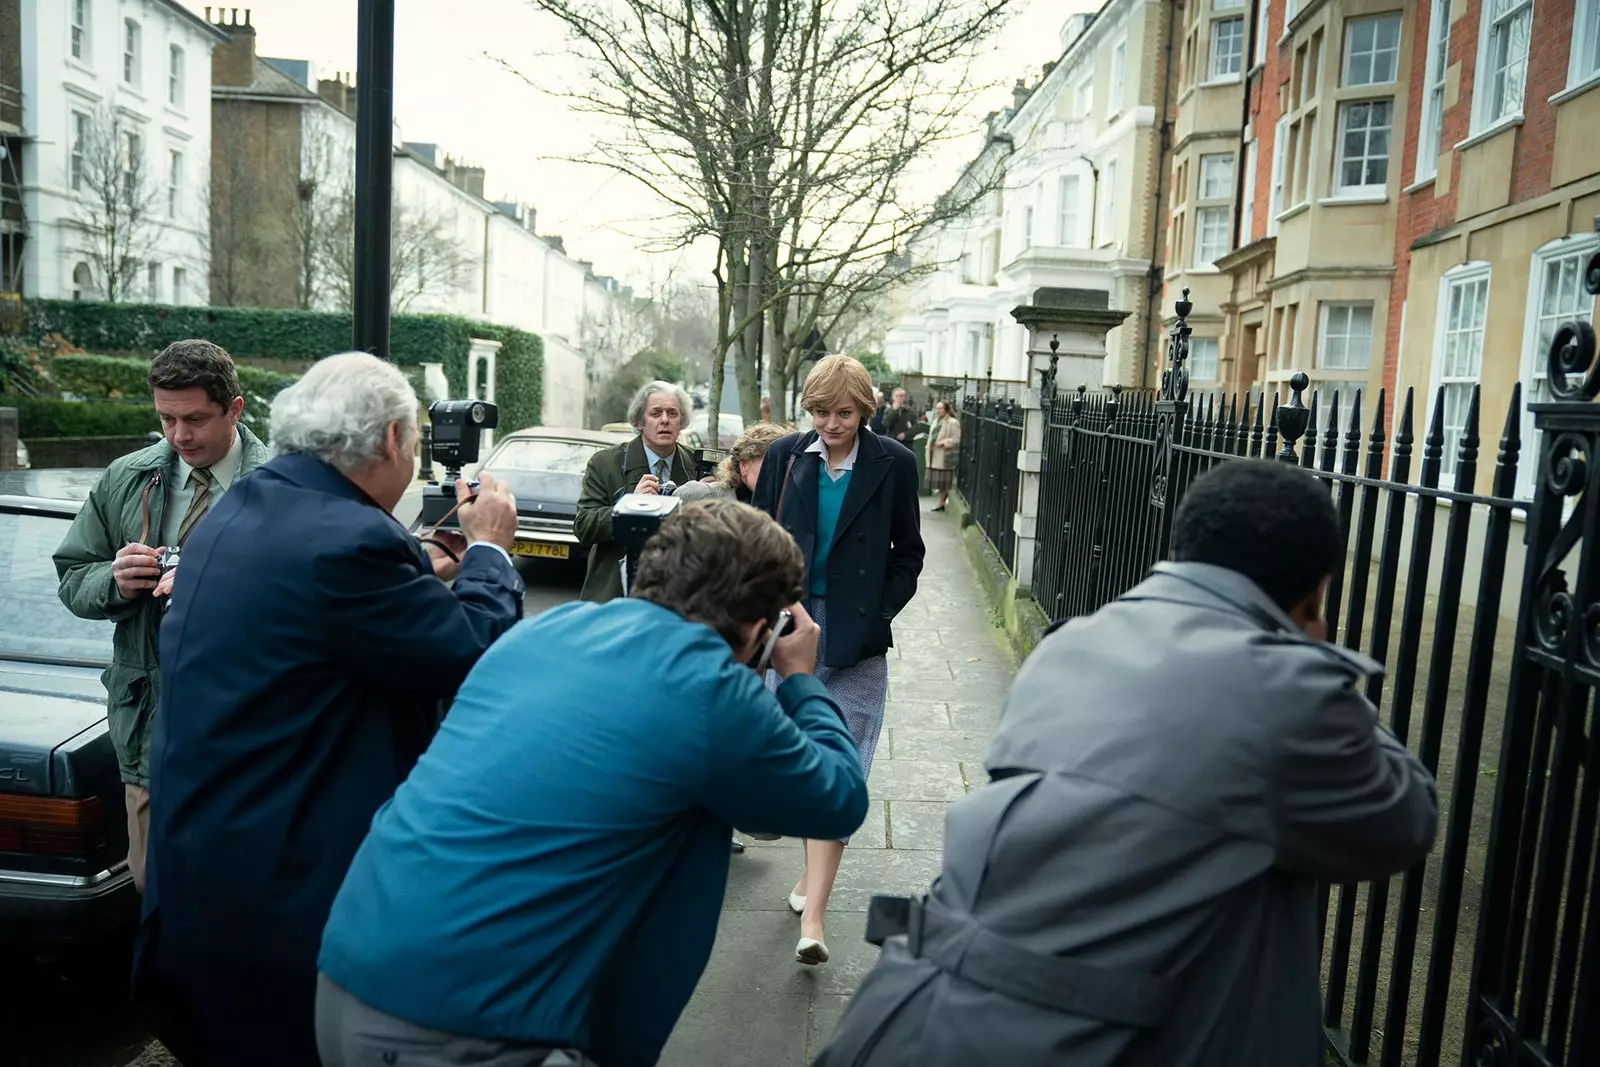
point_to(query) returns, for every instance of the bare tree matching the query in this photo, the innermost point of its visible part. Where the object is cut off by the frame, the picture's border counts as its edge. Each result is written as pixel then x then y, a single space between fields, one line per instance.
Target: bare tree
pixel 117 210
pixel 424 260
pixel 326 178
pixel 785 131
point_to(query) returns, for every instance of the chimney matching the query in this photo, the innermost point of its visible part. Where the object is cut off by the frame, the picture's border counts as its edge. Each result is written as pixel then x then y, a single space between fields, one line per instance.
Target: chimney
pixel 468 179
pixel 1019 94
pixel 233 63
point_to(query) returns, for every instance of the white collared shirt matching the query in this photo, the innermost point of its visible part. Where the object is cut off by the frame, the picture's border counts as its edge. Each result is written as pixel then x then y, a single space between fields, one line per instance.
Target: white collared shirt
pixel 820 447
pixel 180 492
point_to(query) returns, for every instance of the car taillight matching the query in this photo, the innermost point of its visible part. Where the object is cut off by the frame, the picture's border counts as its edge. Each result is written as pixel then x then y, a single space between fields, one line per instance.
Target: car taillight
pixel 59 827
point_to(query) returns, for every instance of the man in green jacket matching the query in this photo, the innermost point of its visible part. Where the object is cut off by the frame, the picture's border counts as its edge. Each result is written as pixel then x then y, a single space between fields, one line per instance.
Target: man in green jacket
pixel 658 412
pixel 143 503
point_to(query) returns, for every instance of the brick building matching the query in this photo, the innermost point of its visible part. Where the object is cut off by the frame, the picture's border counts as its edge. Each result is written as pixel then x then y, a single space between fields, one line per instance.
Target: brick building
pixel 1310 283
pixel 1501 166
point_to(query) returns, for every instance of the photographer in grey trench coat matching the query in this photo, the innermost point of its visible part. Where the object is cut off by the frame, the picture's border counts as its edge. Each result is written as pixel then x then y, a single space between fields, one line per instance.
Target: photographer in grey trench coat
pixel 1173 775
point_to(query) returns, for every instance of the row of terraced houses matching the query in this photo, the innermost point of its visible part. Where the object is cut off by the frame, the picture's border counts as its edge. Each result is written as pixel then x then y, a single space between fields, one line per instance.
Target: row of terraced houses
pixel 1378 193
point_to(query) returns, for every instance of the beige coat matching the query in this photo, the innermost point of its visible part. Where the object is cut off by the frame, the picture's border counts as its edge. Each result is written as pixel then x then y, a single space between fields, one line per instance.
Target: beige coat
pixel 943 444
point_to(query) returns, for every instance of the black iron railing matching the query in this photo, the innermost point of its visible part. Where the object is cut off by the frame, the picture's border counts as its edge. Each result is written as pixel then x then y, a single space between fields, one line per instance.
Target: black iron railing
pixel 1427 578
pixel 986 470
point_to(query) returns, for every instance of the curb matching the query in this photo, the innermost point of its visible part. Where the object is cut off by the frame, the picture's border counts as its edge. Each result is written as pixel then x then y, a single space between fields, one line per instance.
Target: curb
pixel 1020 618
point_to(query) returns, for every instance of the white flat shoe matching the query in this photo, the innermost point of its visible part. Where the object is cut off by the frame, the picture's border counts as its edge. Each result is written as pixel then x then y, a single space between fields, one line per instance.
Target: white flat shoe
pixel 797 903
pixel 810 952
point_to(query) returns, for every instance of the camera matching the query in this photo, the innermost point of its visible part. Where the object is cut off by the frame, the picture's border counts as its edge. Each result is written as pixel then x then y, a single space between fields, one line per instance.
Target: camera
pixel 167 561
pixel 456 438
pixel 634 520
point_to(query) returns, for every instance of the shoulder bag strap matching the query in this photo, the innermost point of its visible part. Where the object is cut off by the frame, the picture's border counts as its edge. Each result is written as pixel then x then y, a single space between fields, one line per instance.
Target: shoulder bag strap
pixel 783 488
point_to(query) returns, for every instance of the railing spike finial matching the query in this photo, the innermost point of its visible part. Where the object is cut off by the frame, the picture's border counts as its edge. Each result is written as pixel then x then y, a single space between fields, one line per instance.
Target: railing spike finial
pixel 1047 378
pixel 1291 418
pixel 1175 379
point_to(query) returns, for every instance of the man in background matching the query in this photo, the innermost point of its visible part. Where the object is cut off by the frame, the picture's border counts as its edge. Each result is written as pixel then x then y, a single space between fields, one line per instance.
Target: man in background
pixel 1172 777
pixel 143 503
pixel 899 421
pixel 878 409
pixel 658 411
pixel 309 648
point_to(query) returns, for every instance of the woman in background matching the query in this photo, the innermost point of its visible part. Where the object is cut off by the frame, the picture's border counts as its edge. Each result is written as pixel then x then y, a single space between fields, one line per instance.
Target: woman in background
pixel 944 443
pixel 849 498
pixel 736 475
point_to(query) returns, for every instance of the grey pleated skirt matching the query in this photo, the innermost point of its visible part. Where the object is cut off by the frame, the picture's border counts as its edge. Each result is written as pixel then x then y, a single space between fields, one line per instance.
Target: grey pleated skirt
pixel 860 691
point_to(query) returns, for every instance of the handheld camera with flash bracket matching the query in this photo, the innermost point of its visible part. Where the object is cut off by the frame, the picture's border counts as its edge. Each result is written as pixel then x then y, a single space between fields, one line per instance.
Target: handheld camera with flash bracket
pixel 458 427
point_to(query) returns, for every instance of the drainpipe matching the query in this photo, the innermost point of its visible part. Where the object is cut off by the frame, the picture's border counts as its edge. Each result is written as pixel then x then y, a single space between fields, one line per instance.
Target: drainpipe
pixel 1094 198
pixel 1242 239
pixel 1164 140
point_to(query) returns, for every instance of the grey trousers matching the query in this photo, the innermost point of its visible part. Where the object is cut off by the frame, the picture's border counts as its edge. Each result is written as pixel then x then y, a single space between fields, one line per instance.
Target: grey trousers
pixel 353 1034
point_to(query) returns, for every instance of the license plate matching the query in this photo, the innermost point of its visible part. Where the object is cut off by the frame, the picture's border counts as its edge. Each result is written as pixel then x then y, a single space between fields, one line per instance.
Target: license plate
pixel 531 548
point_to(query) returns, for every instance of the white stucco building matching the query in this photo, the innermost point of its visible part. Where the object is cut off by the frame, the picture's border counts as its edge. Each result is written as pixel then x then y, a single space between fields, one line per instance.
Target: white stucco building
pixel 1071 166
pixel 137 74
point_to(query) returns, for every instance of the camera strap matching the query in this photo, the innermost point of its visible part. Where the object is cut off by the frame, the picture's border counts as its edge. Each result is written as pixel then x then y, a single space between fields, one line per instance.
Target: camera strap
pixel 783 487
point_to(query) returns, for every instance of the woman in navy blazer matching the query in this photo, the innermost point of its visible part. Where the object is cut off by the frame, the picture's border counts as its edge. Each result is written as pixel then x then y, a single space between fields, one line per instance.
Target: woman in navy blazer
pixel 849 498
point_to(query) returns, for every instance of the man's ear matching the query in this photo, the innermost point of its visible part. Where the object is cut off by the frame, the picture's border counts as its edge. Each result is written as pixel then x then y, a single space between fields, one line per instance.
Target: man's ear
pixel 236 408
pixel 1308 613
pixel 751 634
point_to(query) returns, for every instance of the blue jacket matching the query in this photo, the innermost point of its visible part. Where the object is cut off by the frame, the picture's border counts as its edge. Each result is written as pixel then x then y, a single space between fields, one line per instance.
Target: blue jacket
pixel 877 547
pixel 553 869
pixel 304 658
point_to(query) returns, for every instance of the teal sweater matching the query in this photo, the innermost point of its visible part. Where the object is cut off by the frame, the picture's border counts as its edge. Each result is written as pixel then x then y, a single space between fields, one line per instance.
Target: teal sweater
pixel 567 831
pixel 830 499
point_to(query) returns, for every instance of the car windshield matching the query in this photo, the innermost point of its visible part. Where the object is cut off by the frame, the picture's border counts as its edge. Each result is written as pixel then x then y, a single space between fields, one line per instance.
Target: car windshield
pixel 535 454
pixel 33 621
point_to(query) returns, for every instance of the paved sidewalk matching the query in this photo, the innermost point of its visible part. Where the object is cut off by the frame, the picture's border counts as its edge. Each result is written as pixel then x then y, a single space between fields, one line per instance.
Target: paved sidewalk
pixel 948 675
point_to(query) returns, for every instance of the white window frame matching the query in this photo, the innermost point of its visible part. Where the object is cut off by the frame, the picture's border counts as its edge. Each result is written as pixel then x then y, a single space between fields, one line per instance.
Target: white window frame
pixel 1207 254
pixel 1227 5
pixel 1213 363
pixel 1431 130
pixel 1324 333
pixel 1491 103
pixel 132 52
pixel 1068 194
pixel 174 182
pixel 80 24
pixel 1577 246
pixel 77 158
pixel 1280 149
pixel 1227 180
pixel 1084 97
pixel 177 87
pixel 1119 74
pixel 1468 274
pixel 1027 226
pixel 1583 68
pixel 180 284
pixel 1340 186
pixel 1372 57
pixel 1234 27
pixel 1247 206
pixel 1262 7
pixel 152 282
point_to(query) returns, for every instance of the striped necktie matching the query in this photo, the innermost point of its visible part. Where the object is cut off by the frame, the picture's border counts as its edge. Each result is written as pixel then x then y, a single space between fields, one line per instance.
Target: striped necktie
pixel 661 471
pixel 202 480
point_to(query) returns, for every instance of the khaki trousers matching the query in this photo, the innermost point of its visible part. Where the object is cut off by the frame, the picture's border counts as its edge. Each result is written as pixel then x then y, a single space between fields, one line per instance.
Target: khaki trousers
pixel 137 799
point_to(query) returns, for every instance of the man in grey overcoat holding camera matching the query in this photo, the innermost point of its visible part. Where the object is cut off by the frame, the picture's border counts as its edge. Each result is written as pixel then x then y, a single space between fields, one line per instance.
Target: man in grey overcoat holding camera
pixel 1172 778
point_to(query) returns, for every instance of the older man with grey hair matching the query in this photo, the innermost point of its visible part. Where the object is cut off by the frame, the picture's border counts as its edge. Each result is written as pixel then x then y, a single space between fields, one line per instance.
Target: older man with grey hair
pixel 645 464
pixel 310 647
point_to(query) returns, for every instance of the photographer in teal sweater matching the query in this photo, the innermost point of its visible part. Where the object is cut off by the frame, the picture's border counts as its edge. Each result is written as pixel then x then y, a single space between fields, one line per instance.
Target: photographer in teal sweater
pixel 545 886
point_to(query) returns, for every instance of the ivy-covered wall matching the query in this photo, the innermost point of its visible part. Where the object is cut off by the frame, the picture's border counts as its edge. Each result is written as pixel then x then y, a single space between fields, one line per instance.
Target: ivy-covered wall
pixel 301 335
pixel 128 378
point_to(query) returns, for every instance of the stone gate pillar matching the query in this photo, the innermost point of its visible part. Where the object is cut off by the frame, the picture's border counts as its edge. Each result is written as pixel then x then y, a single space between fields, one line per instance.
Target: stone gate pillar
pixel 482 351
pixel 1066 348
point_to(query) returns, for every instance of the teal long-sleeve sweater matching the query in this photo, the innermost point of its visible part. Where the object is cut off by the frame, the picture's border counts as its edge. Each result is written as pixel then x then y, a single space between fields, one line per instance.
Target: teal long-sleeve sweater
pixel 552 870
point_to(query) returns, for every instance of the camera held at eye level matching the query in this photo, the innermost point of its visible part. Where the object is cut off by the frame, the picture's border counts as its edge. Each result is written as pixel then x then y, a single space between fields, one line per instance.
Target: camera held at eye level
pixel 457 437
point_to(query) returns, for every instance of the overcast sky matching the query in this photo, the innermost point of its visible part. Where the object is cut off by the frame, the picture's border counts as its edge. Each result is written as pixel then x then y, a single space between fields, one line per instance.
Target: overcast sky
pixel 449 92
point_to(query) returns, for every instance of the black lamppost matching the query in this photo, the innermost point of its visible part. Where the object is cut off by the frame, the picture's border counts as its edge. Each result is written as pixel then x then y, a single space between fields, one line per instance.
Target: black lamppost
pixel 374 167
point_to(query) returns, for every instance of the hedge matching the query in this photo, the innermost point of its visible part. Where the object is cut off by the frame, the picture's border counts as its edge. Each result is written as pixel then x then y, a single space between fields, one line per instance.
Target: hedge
pixel 303 335
pixel 113 377
pixel 39 417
